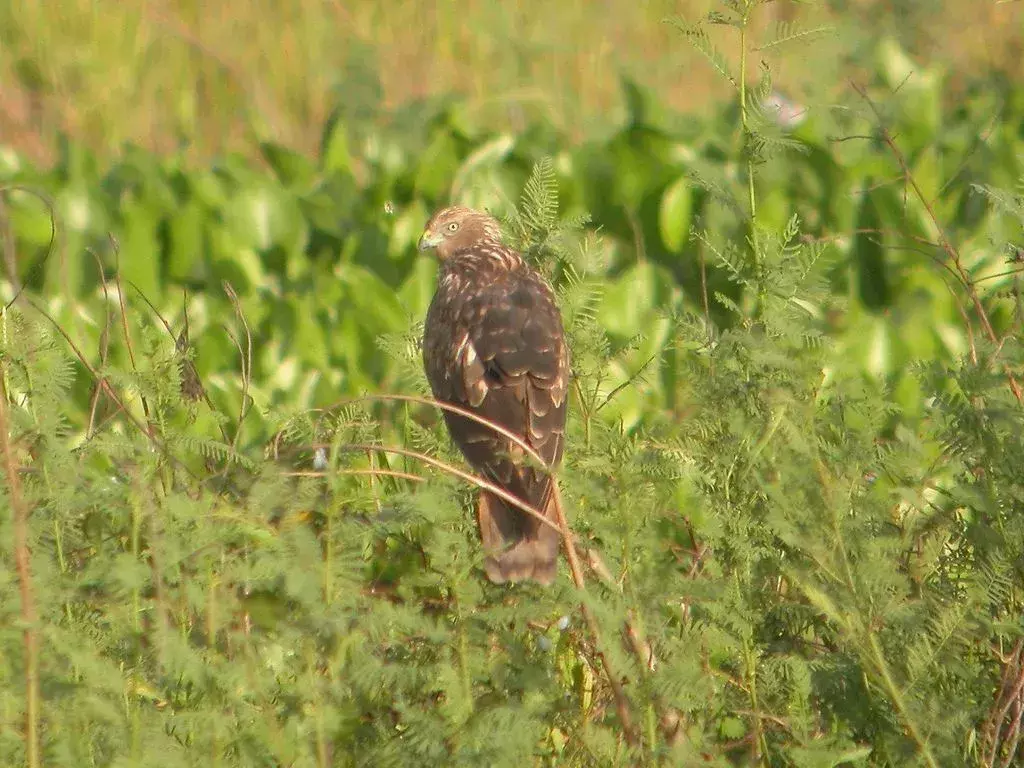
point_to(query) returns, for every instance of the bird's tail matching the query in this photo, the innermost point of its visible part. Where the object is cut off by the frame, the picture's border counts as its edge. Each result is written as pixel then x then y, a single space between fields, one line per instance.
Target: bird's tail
pixel 518 547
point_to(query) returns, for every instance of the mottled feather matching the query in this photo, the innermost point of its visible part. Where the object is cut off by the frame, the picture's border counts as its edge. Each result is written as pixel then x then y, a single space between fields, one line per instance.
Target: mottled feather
pixel 494 344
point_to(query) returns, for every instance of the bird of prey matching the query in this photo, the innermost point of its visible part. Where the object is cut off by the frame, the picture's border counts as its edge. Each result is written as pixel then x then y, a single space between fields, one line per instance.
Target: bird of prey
pixel 493 344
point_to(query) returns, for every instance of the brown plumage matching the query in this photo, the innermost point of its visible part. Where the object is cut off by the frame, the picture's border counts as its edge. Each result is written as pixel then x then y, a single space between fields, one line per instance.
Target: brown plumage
pixel 494 344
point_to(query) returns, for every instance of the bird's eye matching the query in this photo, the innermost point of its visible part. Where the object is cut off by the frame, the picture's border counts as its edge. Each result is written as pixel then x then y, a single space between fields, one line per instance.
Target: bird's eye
pixel 453 226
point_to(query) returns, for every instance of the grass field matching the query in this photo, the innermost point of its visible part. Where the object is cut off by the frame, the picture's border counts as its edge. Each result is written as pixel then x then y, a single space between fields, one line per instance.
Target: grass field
pixel 214 76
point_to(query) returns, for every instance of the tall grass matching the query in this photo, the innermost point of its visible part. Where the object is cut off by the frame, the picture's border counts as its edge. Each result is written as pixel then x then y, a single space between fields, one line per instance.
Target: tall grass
pixel 215 75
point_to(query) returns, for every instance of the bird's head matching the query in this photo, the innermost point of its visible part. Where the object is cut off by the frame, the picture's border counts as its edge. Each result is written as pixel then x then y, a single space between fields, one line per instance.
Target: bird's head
pixel 454 228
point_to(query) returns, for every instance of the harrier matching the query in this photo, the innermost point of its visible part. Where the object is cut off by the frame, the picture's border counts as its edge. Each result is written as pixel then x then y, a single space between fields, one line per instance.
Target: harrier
pixel 494 345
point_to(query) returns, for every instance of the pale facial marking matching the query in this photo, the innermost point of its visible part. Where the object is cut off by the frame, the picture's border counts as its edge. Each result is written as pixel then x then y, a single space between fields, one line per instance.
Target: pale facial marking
pixel 455 228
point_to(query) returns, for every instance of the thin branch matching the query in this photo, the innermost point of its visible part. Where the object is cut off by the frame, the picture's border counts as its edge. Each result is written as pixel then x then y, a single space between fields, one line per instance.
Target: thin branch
pixel 143 428
pixel 494 426
pixel 48 202
pixel 124 320
pixel 622 706
pixel 628 382
pixel 94 398
pixel 372 472
pixel 181 348
pixel 243 410
pixel 444 466
pixel 22 557
pixel 569 540
pixel 944 242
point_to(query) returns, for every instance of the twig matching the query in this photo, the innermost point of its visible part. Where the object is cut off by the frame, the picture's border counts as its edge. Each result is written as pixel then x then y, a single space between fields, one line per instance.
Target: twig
pixel 621 702
pixel 243 411
pixel 179 347
pixel 23 565
pixel 124 320
pixel 944 242
pixel 94 398
pixel 1010 696
pixel 143 428
pixel 10 254
pixel 628 382
pixel 494 426
pixel 367 471
pixel 45 200
pixel 452 470
pixel 568 539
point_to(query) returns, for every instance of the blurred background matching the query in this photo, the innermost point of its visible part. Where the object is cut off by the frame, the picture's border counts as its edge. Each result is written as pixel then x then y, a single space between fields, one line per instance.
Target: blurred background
pixel 213 75
pixel 294 150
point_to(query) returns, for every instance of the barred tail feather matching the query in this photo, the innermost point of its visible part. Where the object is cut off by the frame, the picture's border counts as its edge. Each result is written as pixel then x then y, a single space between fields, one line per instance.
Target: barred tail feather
pixel 517 546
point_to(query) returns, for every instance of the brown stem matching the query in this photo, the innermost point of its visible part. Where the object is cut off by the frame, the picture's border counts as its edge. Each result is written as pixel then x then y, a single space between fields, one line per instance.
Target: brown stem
pixel 124 322
pixel 569 541
pixel 22 560
pixel 446 467
pixel 621 702
pixel 148 432
pixel 492 425
pixel 10 254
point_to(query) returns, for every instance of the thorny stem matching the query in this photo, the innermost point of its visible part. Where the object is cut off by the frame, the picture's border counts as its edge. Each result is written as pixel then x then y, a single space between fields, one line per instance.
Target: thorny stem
pixel 1010 696
pixel 23 567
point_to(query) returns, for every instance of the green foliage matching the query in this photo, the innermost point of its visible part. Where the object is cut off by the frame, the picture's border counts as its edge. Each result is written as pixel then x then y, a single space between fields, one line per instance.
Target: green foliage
pixel 797 464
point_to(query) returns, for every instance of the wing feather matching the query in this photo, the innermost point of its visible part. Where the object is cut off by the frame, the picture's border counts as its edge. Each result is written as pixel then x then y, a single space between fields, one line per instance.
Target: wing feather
pixel 498 348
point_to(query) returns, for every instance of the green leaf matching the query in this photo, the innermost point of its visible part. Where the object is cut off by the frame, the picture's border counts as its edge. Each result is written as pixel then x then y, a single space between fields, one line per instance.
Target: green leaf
pixel 262 216
pixel 186 254
pixel 732 728
pixel 869 257
pixel 291 168
pixel 436 166
pixel 140 250
pixel 674 214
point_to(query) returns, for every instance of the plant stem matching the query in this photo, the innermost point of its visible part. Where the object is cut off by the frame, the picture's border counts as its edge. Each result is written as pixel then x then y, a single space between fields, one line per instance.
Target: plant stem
pixel 952 254
pixel 751 194
pixel 622 705
pixel 23 566
pixel 896 696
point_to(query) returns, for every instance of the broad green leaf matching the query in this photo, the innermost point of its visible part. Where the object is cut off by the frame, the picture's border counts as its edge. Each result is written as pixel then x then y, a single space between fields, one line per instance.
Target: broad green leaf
pixel 436 166
pixel 334 150
pixel 186 254
pixel 674 214
pixel 291 168
pixel 263 215
pixel 140 250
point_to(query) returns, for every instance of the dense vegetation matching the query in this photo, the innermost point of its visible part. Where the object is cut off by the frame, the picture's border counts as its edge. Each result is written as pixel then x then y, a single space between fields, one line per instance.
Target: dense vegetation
pixel 794 464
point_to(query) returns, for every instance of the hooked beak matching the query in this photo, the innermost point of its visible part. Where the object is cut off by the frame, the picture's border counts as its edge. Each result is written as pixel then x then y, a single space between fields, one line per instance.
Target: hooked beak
pixel 429 240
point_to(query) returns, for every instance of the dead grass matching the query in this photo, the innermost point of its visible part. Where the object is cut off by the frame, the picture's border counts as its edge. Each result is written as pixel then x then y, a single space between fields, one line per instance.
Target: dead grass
pixel 218 75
